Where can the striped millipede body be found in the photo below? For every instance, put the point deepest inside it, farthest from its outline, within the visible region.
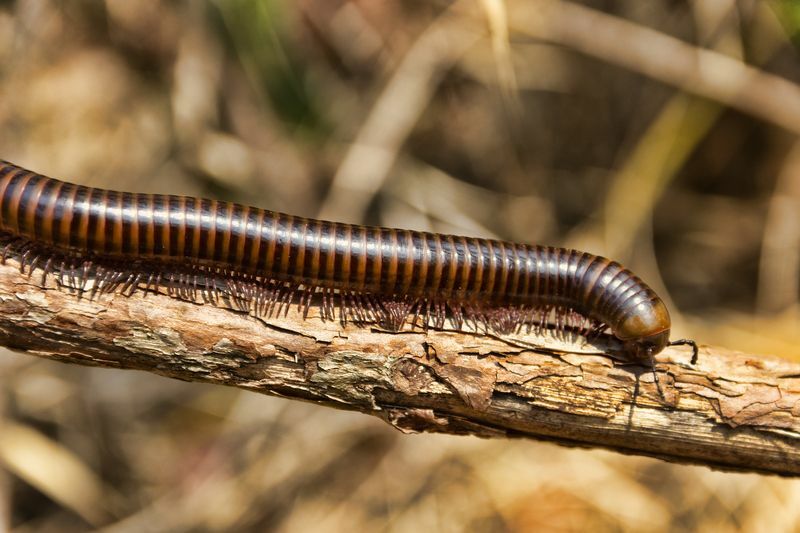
(261, 260)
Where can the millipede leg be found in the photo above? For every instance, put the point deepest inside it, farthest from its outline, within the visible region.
(47, 267)
(23, 260)
(6, 250)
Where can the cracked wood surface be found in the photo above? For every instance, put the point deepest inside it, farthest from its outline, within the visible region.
(731, 411)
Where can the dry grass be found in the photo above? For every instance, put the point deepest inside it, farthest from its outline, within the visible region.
(492, 118)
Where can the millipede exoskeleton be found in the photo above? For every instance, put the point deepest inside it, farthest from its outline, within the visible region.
(261, 261)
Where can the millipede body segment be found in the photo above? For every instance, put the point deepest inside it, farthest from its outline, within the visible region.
(259, 260)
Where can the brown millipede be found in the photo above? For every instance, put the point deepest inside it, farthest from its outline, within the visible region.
(259, 260)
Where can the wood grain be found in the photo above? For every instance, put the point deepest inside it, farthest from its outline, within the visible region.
(730, 411)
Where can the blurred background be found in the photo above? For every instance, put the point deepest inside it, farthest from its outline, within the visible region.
(663, 134)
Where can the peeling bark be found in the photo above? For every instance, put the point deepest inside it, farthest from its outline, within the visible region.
(731, 411)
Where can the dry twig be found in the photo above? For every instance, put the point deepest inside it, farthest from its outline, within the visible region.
(731, 411)
(659, 56)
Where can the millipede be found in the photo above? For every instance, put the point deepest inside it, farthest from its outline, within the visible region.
(261, 262)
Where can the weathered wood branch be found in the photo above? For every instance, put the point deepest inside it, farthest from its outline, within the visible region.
(730, 411)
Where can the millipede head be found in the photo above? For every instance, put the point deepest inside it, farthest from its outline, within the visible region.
(644, 330)
(642, 349)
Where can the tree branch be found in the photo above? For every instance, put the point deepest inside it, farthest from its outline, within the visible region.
(730, 411)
